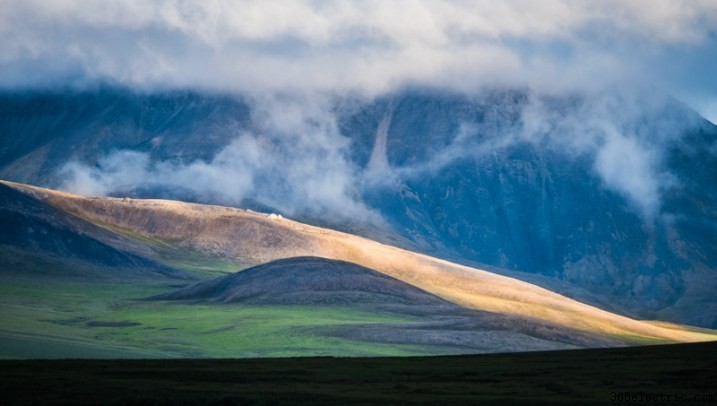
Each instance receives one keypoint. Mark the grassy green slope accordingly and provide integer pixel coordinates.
(105, 320)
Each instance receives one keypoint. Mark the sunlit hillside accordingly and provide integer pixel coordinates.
(245, 238)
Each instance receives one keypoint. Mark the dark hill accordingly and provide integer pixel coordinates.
(40, 239)
(308, 280)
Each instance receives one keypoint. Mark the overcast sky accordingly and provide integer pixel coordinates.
(369, 47)
(363, 46)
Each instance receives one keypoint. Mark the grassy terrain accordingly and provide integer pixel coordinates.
(59, 319)
(50, 316)
(685, 371)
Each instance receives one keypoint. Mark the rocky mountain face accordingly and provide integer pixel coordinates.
(612, 201)
(539, 208)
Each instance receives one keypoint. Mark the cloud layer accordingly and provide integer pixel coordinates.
(369, 47)
(293, 156)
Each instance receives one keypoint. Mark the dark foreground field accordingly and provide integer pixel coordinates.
(684, 372)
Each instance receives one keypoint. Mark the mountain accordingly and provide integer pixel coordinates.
(538, 208)
(476, 179)
(244, 237)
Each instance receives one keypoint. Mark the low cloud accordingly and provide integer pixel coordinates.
(624, 136)
(630, 169)
(229, 175)
(296, 162)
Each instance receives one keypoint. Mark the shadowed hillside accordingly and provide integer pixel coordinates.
(308, 280)
(38, 239)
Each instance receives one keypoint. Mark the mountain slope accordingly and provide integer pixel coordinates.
(255, 238)
(32, 233)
